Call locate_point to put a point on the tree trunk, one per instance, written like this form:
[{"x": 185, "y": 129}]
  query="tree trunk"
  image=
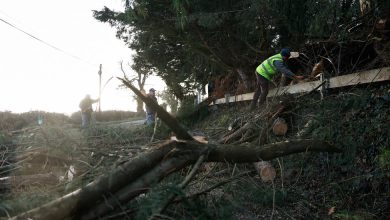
[
  {"x": 142, "y": 185},
  {"x": 244, "y": 78},
  {"x": 140, "y": 105},
  {"x": 170, "y": 121}
]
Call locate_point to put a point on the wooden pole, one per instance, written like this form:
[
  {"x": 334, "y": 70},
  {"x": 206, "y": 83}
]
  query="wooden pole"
[{"x": 100, "y": 87}]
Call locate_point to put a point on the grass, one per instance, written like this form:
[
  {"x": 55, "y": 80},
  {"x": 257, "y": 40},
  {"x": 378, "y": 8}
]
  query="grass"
[{"x": 53, "y": 149}]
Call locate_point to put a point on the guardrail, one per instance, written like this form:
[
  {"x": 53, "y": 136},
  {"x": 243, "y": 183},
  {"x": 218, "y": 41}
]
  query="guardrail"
[{"x": 375, "y": 75}]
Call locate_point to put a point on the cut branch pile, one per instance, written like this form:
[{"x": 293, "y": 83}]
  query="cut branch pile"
[{"x": 265, "y": 120}]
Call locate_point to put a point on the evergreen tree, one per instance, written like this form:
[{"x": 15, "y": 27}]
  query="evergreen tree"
[{"x": 185, "y": 42}]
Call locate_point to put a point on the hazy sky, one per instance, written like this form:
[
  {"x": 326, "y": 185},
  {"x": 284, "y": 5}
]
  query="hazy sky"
[{"x": 35, "y": 76}]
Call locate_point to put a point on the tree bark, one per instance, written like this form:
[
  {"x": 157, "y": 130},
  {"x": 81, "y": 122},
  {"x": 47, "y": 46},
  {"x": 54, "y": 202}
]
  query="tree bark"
[
  {"x": 140, "y": 105},
  {"x": 247, "y": 153},
  {"x": 136, "y": 176},
  {"x": 141, "y": 185},
  {"x": 244, "y": 78}
]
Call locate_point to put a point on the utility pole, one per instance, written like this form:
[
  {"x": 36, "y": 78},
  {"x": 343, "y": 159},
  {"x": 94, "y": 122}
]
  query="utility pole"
[{"x": 100, "y": 87}]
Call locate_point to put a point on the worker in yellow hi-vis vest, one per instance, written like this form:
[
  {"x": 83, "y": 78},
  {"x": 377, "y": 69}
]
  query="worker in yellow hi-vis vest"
[{"x": 267, "y": 70}]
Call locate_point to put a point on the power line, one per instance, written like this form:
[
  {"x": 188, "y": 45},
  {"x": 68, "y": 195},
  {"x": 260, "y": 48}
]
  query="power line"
[{"x": 44, "y": 42}]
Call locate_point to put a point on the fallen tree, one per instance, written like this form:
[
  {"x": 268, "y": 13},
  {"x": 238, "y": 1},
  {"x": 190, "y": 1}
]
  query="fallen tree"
[{"x": 136, "y": 176}]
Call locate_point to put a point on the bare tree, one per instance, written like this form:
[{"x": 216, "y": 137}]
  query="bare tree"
[{"x": 139, "y": 77}]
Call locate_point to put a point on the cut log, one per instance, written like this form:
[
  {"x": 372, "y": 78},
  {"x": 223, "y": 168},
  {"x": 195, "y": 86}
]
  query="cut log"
[
  {"x": 264, "y": 132},
  {"x": 266, "y": 171},
  {"x": 317, "y": 69},
  {"x": 279, "y": 127}
]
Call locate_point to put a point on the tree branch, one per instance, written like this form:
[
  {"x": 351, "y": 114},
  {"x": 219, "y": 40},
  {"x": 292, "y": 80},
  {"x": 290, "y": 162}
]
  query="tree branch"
[{"x": 169, "y": 120}]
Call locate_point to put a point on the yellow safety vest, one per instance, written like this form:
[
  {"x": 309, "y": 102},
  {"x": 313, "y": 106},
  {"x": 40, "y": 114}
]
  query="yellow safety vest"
[{"x": 267, "y": 68}]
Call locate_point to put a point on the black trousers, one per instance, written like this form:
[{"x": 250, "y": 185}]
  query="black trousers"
[{"x": 262, "y": 86}]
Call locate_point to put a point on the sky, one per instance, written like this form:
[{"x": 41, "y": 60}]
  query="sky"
[{"x": 55, "y": 75}]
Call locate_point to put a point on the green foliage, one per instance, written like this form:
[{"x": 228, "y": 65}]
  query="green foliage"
[
  {"x": 171, "y": 101},
  {"x": 25, "y": 201},
  {"x": 260, "y": 194},
  {"x": 12, "y": 206},
  {"x": 351, "y": 121},
  {"x": 190, "y": 113},
  {"x": 347, "y": 215},
  {"x": 155, "y": 198},
  {"x": 120, "y": 134},
  {"x": 356, "y": 122},
  {"x": 127, "y": 134},
  {"x": 184, "y": 42},
  {"x": 384, "y": 159},
  {"x": 194, "y": 208},
  {"x": 187, "y": 107},
  {"x": 383, "y": 8},
  {"x": 355, "y": 182},
  {"x": 4, "y": 139}
]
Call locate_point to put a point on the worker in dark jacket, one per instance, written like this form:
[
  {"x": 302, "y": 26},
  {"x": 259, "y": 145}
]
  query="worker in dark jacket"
[
  {"x": 86, "y": 110},
  {"x": 150, "y": 113},
  {"x": 266, "y": 71}
]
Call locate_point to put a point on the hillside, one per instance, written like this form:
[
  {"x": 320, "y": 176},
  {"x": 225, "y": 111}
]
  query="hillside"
[{"x": 349, "y": 185}]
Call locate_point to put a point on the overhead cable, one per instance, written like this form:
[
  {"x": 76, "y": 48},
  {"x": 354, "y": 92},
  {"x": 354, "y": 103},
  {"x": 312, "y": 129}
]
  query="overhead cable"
[{"x": 44, "y": 42}]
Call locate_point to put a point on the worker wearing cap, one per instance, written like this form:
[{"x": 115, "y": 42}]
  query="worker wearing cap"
[
  {"x": 267, "y": 70},
  {"x": 150, "y": 113},
  {"x": 86, "y": 110}
]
